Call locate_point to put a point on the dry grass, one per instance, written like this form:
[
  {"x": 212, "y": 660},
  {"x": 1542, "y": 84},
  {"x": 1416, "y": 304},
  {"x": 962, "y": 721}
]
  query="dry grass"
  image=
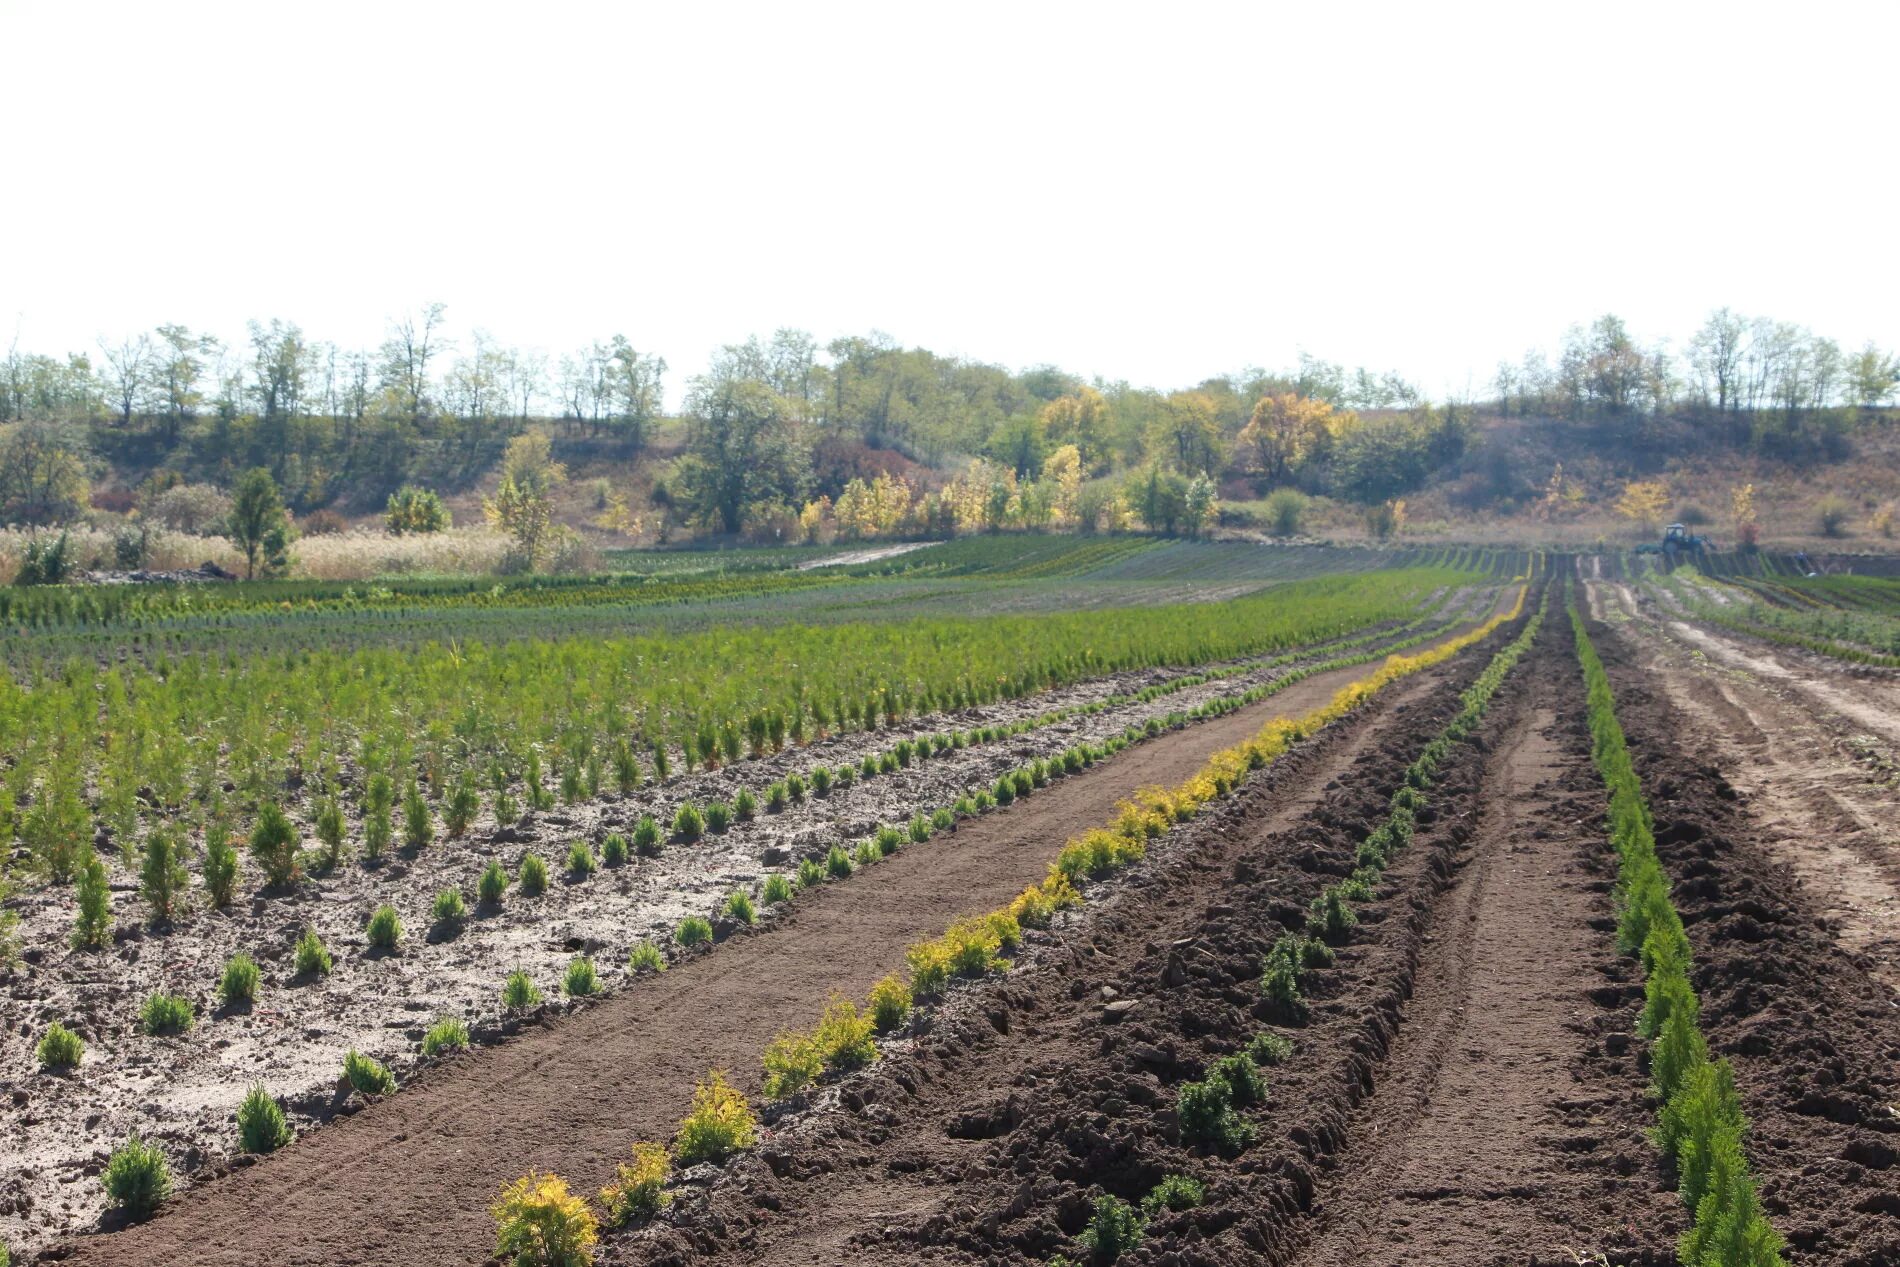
[{"x": 351, "y": 556}]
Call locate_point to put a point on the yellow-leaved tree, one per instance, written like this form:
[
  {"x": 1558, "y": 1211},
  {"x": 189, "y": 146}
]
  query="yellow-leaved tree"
[{"x": 1644, "y": 502}]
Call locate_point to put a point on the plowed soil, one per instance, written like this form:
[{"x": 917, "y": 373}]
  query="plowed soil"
[{"x": 408, "y": 1180}]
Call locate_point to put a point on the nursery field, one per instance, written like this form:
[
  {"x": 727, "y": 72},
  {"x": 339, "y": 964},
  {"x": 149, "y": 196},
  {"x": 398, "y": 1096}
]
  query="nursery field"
[{"x": 998, "y": 901}]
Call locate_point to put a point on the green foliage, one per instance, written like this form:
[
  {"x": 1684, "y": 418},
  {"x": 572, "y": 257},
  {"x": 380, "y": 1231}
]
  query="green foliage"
[
  {"x": 238, "y": 983},
  {"x": 162, "y": 875},
  {"x": 447, "y": 1034},
  {"x": 384, "y": 928},
  {"x": 745, "y": 806},
  {"x": 259, "y": 525},
  {"x": 890, "y": 1003},
  {"x": 777, "y": 889},
  {"x": 378, "y": 799},
  {"x": 413, "y": 510},
  {"x": 613, "y": 850},
  {"x": 418, "y": 827},
  {"x": 275, "y": 845},
  {"x": 580, "y": 978},
  {"x": 718, "y": 817},
  {"x": 1174, "y": 1192},
  {"x": 518, "y": 992},
  {"x": 1268, "y": 1048},
  {"x": 739, "y": 906},
  {"x": 1114, "y": 1228},
  {"x": 539, "y": 1223},
  {"x": 449, "y": 909},
  {"x": 46, "y": 561},
  {"x": 166, "y": 1014},
  {"x": 792, "y": 1063},
  {"x": 261, "y": 1124},
  {"x": 1285, "y": 509},
  {"x": 59, "y": 1048},
  {"x": 137, "y": 1178},
  {"x": 493, "y": 884},
  {"x": 638, "y": 1191},
  {"x": 693, "y": 931},
  {"x": 1206, "y": 1112},
  {"x": 646, "y": 836},
  {"x": 688, "y": 823},
  {"x": 92, "y": 923},
  {"x": 533, "y": 876},
  {"x": 844, "y": 1036},
  {"x": 329, "y": 823},
  {"x": 311, "y": 956},
  {"x": 720, "y": 1124},
  {"x": 837, "y": 863},
  {"x": 463, "y": 805},
  {"x": 644, "y": 957},
  {"x": 811, "y": 872},
  {"x": 368, "y": 1076},
  {"x": 1244, "y": 1083},
  {"x": 581, "y": 862}
]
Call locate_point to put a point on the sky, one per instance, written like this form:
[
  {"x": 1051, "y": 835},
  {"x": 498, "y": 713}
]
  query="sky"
[{"x": 1153, "y": 193}]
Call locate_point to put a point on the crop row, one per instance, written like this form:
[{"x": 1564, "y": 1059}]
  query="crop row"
[
  {"x": 123, "y": 742},
  {"x": 1700, "y": 1126},
  {"x": 1858, "y": 637}
]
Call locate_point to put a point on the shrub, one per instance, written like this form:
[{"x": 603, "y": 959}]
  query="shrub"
[
  {"x": 811, "y": 873},
  {"x": 890, "y": 1003},
  {"x": 845, "y": 776},
  {"x": 844, "y": 1036},
  {"x": 919, "y": 829},
  {"x": 1330, "y": 918},
  {"x": 518, "y": 992},
  {"x": 888, "y": 841},
  {"x": 739, "y": 906},
  {"x": 777, "y": 889},
  {"x": 821, "y": 781},
  {"x": 418, "y": 828},
  {"x": 166, "y": 1014},
  {"x": 580, "y": 979},
  {"x": 378, "y": 795},
  {"x": 792, "y": 1063},
  {"x": 220, "y": 865},
  {"x": 626, "y": 767},
  {"x": 868, "y": 852},
  {"x": 867, "y": 768},
  {"x": 94, "y": 918},
  {"x": 415, "y": 510},
  {"x": 613, "y": 850},
  {"x": 1280, "y": 981},
  {"x": 1174, "y": 1192},
  {"x": 274, "y": 844},
  {"x": 795, "y": 788},
  {"x": 492, "y": 885},
  {"x": 943, "y": 820},
  {"x": 384, "y": 928},
  {"x": 162, "y": 875},
  {"x": 745, "y": 806},
  {"x": 638, "y": 1191},
  {"x": 261, "y": 1124},
  {"x": 238, "y": 984},
  {"x": 693, "y": 930},
  {"x": 1243, "y": 1079},
  {"x": 461, "y": 809},
  {"x": 837, "y": 864},
  {"x": 721, "y": 1123},
  {"x": 776, "y": 798},
  {"x": 533, "y": 876},
  {"x": 688, "y": 824},
  {"x": 1284, "y": 509},
  {"x": 367, "y": 1075},
  {"x": 887, "y": 764},
  {"x": 330, "y": 824},
  {"x": 646, "y": 836},
  {"x": 1830, "y": 515},
  {"x": 1268, "y": 1048},
  {"x": 581, "y": 862},
  {"x": 449, "y": 909},
  {"x": 59, "y": 1048},
  {"x": 1206, "y": 1111},
  {"x": 644, "y": 956},
  {"x": 447, "y": 1034},
  {"x": 539, "y": 1223},
  {"x": 718, "y": 817},
  {"x": 1005, "y": 790},
  {"x": 137, "y": 1177},
  {"x": 1113, "y": 1230}
]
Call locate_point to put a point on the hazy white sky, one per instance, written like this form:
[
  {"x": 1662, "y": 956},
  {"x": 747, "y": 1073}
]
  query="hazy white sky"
[{"x": 1154, "y": 192}]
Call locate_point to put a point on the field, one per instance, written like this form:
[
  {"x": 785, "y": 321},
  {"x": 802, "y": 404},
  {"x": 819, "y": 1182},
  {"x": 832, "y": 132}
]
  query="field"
[{"x": 1008, "y": 900}]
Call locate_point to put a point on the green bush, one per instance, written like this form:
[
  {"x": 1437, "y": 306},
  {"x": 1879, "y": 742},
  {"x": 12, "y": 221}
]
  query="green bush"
[
  {"x": 890, "y": 1003},
  {"x": 261, "y": 1124},
  {"x": 721, "y": 1123},
  {"x": 688, "y": 824},
  {"x": 384, "y": 928},
  {"x": 492, "y": 885},
  {"x": 93, "y": 922},
  {"x": 888, "y": 841},
  {"x": 919, "y": 829},
  {"x": 137, "y": 1177},
  {"x": 59, "y": 1048},
  {"x": 463, "y": 805},
  {"x": 238, "y": 984},
  {"x": 1206, "y": 1112},
  {"x": 1330, "y": 918},
  {"x": 532, "y": 879},
  {"x": 837, "y": 863},
  {"x": 166, "y": 1014},
  {"x": 1113, "y": 1230},
  {"x": 379, "y": 794},
  {"x": 1268, "y": 1048},
  {"x": 645, "y": 956},
  {"x": 1285, "y": 508},
  {"x": 777, "y": 889},
  {"x": 1242, "y": 1077},
  {"x": 646, "y": 836},
  {"x": 811, "y": 872},
  {"x": 449, "y": 909},
  {"x": 220, "y": 864},
  {"x": 795, "y": 788},
  {"x": 275, "y": 845},
  {"x": 330, "y": 827},
  {"x": 581, "y": 862},
  {"x": 821, "y": 781},
  {"x": 739, "y": 906},
  {"x": 693, "y": 930},
  {"x": 868, "y": 852},
  {"x": 844, "y": 1036},
  {"x": 1174, "y": 1192},
  {"x": 613, "y": 850},
  {"x": 447, "y": 1034},
  {"x": 162, "y": 874},
  {"x": 366, "y": 1075},
  {"x": 745, "y": 806},
  {"x": 868, "y": 767},
  {"x": 638, "y": 1191},
  {"x": 776, "y": 798},
  {"x": 943, "y": 820},
  {"x": 518, "y": 992},
  {"x": 580, "y": 979},
  {"x": 1005, "y": 790},
  {"x": 418, "y": 827},
  {"x": 792, "y": 1063}
]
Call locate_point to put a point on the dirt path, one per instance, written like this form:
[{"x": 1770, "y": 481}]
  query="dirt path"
[
  {"x": 408, "y": 1180},
  {"x": 1820, "y": 790},
  {"x": 1484, "y": 1139}
]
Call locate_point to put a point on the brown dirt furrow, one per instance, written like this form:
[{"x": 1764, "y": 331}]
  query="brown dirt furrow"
[
  {"x": 1805, "y": 1015},
  {"x": 408, "y": 1180},
  {"x": 1500, "y": 1113}
]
